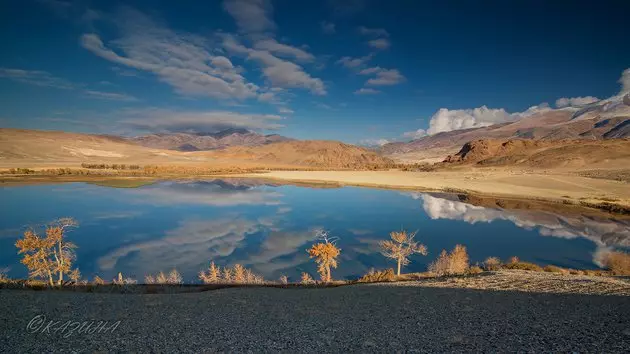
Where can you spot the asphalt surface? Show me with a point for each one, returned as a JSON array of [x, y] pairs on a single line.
[[351, 318]]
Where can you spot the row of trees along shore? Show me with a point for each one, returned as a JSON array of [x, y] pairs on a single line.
[[50, 257]]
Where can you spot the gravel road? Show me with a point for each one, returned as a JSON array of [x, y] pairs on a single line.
[[359, 318]]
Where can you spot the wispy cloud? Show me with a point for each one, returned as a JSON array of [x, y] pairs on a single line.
[[378, 32], [354, 63], [37, 78], [181, 60], [366, 91], [380, 43], [384, 77], [113, 96], [251, 16], [327, 27]]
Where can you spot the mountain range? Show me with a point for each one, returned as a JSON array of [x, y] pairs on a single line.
[[206, 141], [605, 119]]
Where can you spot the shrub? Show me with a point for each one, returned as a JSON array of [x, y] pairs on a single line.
[[523, 266], [3, 275], [618, 262], [306, 279], [554, 269], [576, 272], [378, 276], [475, 270], [492, 263], [514, 259], [452, 263], [284, 280], [121, 280], [98, 280]]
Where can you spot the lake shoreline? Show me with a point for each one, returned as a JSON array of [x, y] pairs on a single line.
[[516, 191]]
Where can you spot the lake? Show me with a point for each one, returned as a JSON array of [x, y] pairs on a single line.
[[268, 227]]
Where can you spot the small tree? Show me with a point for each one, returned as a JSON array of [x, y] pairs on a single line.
[[306, 278], [401, 246], [239, 274], [325, 254], [452, 263], [50, 256], [227, 275], [212, 275]]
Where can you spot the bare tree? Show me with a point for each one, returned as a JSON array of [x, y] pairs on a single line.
[[239, 273], [51, 256], [325, 253], [401, 246], [306, 278]]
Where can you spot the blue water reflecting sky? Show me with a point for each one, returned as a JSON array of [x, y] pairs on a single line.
[[267, 227]]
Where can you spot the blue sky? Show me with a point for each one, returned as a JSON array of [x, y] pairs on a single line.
[[354, 70]]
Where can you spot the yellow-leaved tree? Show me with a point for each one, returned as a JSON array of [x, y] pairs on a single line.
[[50, 257], [325, 254]]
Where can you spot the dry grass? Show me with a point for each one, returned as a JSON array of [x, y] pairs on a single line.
[[555, 269], [378, 276], [523, 266]]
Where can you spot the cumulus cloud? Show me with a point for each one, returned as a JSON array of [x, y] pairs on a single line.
[[327, 27], [366, 91], [416, 134], [251, 16], [179, 59], [575, 101], [445, 120], [380, 43], [166, 120], [379, 32], [36, 77]]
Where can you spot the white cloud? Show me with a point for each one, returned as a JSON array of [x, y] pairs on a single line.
[[112, 96], [386, 77], [328, 27], [380, 43], [179, 59], [625, 81], [366, 91], [285, 110], [416, 134], [272, 46], [251, 16], [353, 63], [379, 32], [575, 101], [36, 77], [445, 120], [165, 120], [373, 142], [285, 74]]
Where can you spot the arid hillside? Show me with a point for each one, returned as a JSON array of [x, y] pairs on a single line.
[[606, 119], [34, 148], [574, 154], [317, 153]]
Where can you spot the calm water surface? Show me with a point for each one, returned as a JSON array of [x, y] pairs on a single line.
[[267, 227]]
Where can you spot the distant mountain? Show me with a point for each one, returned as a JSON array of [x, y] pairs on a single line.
[[605, 119], [206, 141]]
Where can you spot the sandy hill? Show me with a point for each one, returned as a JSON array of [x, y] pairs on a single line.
[[34, 148], [575, 154], [606, 119], [317, 153]]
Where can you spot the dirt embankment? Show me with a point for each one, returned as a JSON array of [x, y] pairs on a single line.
[[544, 154]]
